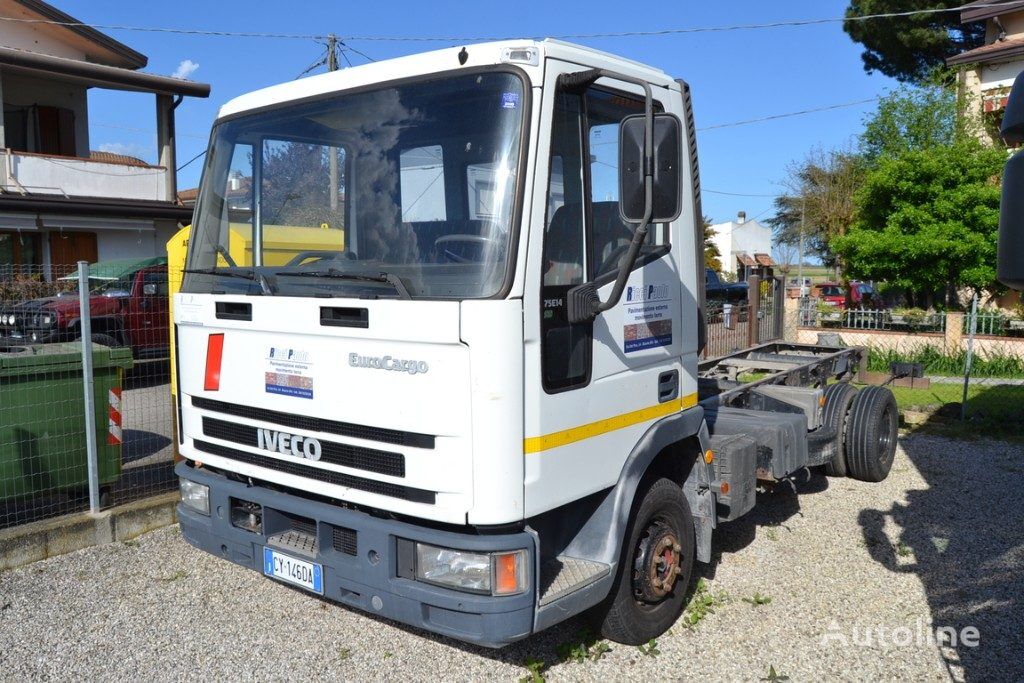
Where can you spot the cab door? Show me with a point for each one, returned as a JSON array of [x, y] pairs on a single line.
[[593, 388]]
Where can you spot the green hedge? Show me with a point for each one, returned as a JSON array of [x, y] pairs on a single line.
[[949, 365]]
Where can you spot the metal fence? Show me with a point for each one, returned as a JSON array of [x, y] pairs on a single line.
[[756, 319], [973, 360], [85, 412]]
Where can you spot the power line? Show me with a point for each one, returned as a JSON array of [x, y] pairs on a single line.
[[774, 117], [144, 130], [458, 39], [190, 161], [738, 194]]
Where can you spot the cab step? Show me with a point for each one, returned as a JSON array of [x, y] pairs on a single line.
[[564, 575]]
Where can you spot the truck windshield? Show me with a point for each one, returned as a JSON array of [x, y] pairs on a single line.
[[403, 191]]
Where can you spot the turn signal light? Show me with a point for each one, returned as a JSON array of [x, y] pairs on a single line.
[[709, 456], [509, 573], [214, 353]]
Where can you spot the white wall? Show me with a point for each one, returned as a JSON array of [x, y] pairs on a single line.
[[749, 237], [117, 244], [78, 178]]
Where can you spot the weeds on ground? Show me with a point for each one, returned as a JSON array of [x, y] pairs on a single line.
[[758, 599], [902, 549], [132, 543], [344, 653], [773, 675], [650, 648], [535, 669], [179, 574], [586, 647], [702, 604]]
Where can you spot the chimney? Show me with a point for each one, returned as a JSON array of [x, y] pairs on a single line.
[[741, 217]]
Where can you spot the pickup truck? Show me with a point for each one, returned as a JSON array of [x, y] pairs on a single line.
[[128, 303], [719, 290]]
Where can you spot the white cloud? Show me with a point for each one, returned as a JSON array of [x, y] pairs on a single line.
[[128, 149], [185, 69]]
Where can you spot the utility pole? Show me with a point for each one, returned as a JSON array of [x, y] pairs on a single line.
[[800, 256], [332, 65]]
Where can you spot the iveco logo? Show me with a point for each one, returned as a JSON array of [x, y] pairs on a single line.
[[413, 367], [288, 444]]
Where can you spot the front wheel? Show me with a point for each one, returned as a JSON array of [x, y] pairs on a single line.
[[655, 569]]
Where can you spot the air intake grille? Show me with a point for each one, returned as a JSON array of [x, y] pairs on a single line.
[[379, 462], [382, 488], [344, 540], [315, 424]]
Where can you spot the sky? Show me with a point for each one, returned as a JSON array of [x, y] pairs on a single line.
[[734, 75]]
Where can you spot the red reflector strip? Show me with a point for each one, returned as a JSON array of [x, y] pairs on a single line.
[[214, 352], [114, 417]]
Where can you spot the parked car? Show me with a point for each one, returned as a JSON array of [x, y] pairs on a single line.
[[127, 302], [718, 290], [862, 295]]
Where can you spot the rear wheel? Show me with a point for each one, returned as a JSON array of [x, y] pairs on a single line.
[[871, 434], [838, 398], [654, 572], [105, 340]]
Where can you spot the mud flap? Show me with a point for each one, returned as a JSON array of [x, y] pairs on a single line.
[[697, 489]]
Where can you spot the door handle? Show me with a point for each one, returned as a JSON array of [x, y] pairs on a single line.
[[668, 386]]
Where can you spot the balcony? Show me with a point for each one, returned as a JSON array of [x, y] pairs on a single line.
[[43, 174]]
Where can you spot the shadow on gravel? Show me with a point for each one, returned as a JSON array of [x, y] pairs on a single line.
[[962, 537]]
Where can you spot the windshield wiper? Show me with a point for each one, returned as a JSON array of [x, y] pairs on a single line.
[[251, 276], [386, 278]]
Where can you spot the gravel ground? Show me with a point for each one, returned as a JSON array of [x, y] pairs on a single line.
[[940, 542]]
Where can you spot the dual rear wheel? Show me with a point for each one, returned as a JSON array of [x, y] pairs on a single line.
[[866, 424]]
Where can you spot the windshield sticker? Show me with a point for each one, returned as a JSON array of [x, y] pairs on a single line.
[[289, 372], [509, 100], [647, 321]]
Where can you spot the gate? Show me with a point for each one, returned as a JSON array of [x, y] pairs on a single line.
[[769, 296]]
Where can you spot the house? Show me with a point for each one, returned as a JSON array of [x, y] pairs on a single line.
[[745, 246], [987, 72], [60, 201]]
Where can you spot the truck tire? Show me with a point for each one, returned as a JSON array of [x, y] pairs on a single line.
[[106, 340], [871, 434], [653, 578], [838, 398]]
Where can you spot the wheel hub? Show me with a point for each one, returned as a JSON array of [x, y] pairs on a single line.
[[657, 563]]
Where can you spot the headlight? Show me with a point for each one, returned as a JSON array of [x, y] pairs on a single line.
[[46, 320], [489, 573], [195, 496]]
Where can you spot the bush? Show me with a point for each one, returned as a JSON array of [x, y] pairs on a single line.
[[936, 362]]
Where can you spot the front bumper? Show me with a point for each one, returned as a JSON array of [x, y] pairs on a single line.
[[368, 580]]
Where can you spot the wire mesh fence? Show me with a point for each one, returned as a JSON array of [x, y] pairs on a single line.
[[45, 442]]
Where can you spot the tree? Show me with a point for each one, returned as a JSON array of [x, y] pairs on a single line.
[[712, 256], [927, 221], [820, 201], [912, 49], [914, 119]]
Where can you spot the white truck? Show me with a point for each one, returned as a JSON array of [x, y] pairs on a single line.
[[478, 406]]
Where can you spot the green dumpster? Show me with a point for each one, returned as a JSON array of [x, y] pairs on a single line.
[[42, 423]]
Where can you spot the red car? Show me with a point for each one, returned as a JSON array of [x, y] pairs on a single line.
[[862, 295], [128, 303]]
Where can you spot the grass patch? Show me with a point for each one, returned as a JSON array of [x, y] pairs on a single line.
[[992, 410]]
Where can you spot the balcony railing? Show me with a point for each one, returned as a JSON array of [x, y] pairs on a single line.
[[31, 173]]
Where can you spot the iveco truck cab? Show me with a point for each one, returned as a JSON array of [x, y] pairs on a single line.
[[475, 404]]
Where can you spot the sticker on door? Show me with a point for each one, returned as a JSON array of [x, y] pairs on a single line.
[[647, 317]]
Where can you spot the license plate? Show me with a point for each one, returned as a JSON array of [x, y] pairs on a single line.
[[308, 575]]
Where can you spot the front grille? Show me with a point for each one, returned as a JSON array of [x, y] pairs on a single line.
[[344, 540], [382, 488], [316, 424], [379, 462]]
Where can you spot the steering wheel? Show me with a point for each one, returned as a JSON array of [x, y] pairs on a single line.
[[476, 240], [315, 255]]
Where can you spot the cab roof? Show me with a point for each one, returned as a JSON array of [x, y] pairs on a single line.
[[445, 60]]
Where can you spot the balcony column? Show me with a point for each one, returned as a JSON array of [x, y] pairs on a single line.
[[166, 144]]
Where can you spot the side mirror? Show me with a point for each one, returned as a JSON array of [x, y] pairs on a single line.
[[149, 289], [668, 154], [1010, 259]]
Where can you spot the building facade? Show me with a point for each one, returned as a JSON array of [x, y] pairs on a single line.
[[745, 246], [60, 201]]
